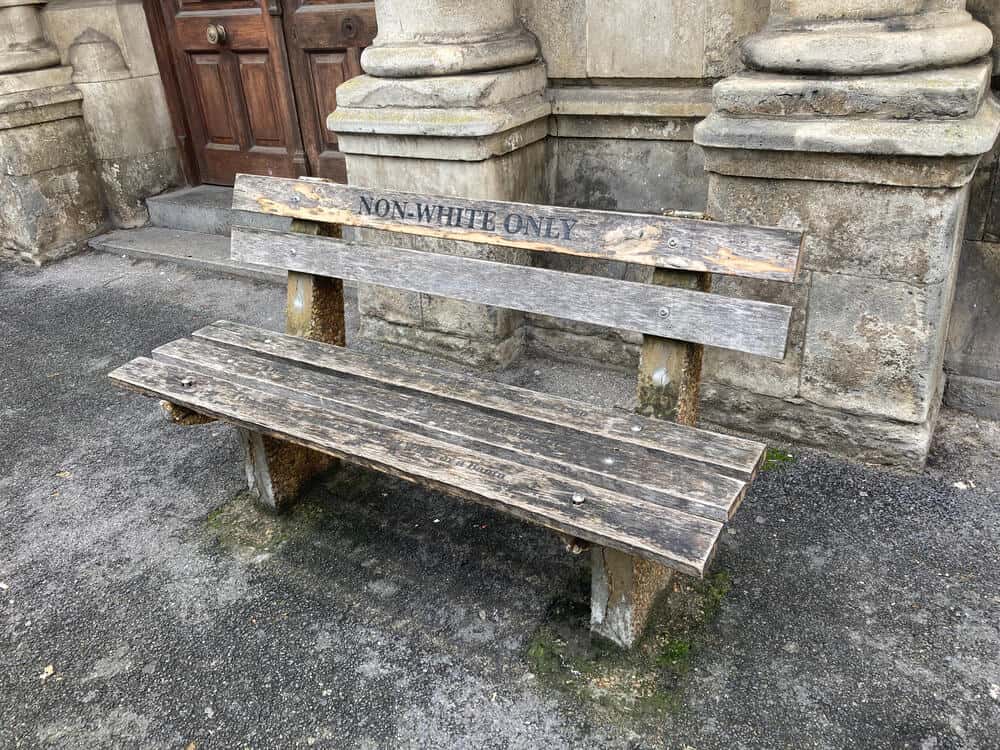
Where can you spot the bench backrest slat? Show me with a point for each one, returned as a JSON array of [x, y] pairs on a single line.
[[732, 323], [644, 239]]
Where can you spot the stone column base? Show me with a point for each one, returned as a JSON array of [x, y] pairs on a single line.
[[867, 438], [477, 135], [51, 196]]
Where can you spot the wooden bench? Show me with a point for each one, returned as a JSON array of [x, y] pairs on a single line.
[[650, 495]]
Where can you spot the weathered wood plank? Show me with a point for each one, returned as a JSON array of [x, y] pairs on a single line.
[[681, 541], [731, 455], [743, 325], [646, 239], [662, 478]]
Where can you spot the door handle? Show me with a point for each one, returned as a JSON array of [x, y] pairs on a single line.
[[215, 33]]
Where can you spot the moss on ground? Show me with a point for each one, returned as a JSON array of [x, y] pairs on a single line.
[[645, 682], [776, 459]]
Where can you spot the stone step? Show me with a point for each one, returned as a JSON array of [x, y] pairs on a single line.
[[206, 209], [208, 252]]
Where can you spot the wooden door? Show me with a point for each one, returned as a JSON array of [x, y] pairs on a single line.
[[237, 96], [324, 40]]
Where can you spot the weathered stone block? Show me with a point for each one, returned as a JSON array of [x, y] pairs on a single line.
[[141, 103], [892, 233], [390, 305], [875, 346], [939, 94], [561, 28], [727, 23], [43, 146], [122, 21], [680, 39], [984, 201], [126, 182], [991, 204], [766, 376], [449, 327], [629, 175], [614, 174], [664, 39], [817, 166], [974, 395], [974, 334], [863, 438], [49, 214]]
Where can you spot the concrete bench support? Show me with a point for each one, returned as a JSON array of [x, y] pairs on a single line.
[[622, 592]]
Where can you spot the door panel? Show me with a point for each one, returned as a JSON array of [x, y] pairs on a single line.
[[255, 73], [237, 91], [324, 39], [220, 128]]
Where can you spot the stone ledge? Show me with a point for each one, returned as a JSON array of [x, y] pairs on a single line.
[[30, 80], [631, 101], [974, 395], [467, 122], [938, 94], [623, 128], [440, 59], [902, 171], [40, 105], [442, 147], [477, 90], [934, 138], [869, 439]]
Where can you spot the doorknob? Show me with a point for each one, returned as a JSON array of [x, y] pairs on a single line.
[[215, 33]]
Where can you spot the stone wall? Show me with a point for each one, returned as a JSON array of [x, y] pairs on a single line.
[[628, 81], [973, 359], [51, 200], [863, 375], [108, 45], [860, 122]]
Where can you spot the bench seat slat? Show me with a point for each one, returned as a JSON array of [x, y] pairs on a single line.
[[681, 541], [750, 326], [645, 239], [661, 478], [735, 456]]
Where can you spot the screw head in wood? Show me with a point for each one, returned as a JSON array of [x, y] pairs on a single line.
[[578, 498], [663, 312], [187, 381], [673, 243]]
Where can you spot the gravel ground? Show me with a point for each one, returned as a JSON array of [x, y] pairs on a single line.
[[146, 603]]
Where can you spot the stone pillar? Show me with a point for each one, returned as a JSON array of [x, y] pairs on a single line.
[[23, 45], [861, 122], [988, 11], [51, 199], [452, 104]]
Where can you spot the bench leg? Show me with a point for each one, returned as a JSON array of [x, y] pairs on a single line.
[[622, 591], [277, 471]]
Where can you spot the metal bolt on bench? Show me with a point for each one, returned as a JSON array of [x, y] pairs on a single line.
[[302, 400]]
